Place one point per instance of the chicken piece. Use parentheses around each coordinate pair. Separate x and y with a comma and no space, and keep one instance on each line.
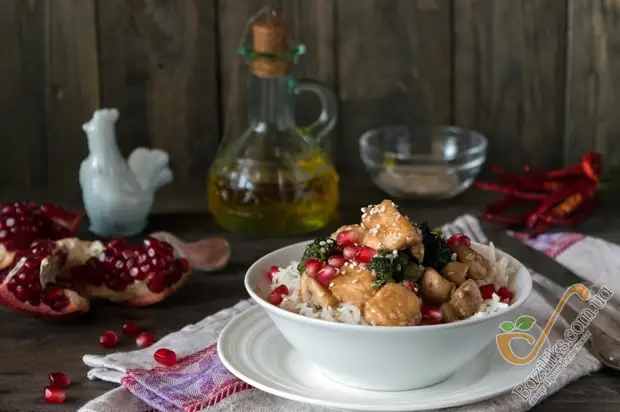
(353,284)
(315,294)
(479,267)
(448,313)
(455,272)
(393,230)
(417,251)
(393,305)
(466,300)
(434,289)
(364,237)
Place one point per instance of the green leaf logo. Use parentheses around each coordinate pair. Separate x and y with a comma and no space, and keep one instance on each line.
(507,326)
(525,323)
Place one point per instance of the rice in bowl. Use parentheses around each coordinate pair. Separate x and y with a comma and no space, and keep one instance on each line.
(290,277)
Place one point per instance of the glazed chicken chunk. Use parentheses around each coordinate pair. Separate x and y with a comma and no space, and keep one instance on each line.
(362,236)
(315,294)
(393,230)
(393,305)
(479,267)
(353,284)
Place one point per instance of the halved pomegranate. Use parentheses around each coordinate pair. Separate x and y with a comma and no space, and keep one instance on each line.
(134,276)
(22,223)
(31,284)
(44,273)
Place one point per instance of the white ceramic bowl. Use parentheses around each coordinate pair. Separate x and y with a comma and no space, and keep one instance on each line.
(382,358)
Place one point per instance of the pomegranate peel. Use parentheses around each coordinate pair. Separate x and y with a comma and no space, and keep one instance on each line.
(208,255)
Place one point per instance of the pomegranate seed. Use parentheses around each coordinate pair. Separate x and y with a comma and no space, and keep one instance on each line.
(60,303)
(347,238)
(487,291)
(184,263)
(505,294)
(156,283)
(411,285)
(425,321)
(350,252)
(312,267)
(365,254)
(108,339)
(277,295)
(272,271)
(130,329)
(59,380)
(165,357)
(325,275)
(459,239)
(53,395)
(433,314)
(145,339)
(336,261)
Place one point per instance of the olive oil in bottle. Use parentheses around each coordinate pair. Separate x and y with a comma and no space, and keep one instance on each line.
(274,179)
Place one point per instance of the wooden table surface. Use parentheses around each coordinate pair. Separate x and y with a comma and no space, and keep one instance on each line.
(30,348)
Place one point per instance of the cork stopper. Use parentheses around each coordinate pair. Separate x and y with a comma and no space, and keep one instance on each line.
(270,36)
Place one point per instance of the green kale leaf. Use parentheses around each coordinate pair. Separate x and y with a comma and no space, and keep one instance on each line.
(437,253)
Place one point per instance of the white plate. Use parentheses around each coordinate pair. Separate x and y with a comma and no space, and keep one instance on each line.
(253,349)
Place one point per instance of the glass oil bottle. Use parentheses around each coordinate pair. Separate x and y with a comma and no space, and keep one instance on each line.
(274,179)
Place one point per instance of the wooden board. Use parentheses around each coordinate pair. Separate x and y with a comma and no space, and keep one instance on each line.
(509,73)
(158,64)
(393,68)
(22,94)
(72,89)
(593,86)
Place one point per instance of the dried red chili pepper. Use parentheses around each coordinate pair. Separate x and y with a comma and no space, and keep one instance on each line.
(496,187)
(576,206)
(563,201)
(590,166)
(519,182)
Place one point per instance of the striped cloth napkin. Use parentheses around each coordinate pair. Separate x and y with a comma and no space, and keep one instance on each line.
(200,381)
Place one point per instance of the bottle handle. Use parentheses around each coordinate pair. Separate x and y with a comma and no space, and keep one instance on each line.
(329,107)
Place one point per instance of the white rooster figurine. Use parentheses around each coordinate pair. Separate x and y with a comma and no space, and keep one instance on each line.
(118,194)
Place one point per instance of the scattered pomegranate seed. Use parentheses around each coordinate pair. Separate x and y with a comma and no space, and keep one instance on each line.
(130,329)
(336,261)
(347,238)
(325,275)
(165,357)
(54,395)
(487,291)
(272,271)
(312,267)
(505,295)
(459,239)
(350,252)
(277,295)
(108,339)
(365,254)
(411,285)
(145,339)
(433,314)
(59,380)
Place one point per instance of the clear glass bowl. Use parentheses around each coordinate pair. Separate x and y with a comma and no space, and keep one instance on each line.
(423,163)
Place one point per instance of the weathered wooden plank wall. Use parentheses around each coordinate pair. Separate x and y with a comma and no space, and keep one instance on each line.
(539,77)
